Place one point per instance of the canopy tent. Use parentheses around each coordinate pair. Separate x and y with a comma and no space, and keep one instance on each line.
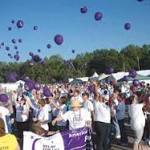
(103,76)
(95,75)
(11,86)
(76,82)
(108,79)
(144,72)
(138,77)
(119,75)
(84,79)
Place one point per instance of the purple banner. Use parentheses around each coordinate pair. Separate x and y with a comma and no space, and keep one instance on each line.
(75,139)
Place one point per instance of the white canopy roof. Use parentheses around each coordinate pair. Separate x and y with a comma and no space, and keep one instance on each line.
(84,79)
(144,72)
(119,75)
(95,75)
(103,76)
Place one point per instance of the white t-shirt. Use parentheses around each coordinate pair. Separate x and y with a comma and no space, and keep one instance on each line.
(22,113)
(3,113)
(88,105)
(48,109)
(77,119)
(102,112)
(43,116)
(137,116)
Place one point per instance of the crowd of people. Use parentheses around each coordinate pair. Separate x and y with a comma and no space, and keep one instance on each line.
(105,108)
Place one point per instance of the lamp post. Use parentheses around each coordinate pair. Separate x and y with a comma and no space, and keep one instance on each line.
(138,62)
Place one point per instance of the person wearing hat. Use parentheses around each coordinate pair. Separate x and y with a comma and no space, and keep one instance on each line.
(7,141)
(78,117)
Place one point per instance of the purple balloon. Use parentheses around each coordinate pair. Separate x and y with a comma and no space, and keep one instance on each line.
(37,86)
(2,44)
(7,48)
(58,39)
(3,98)
(29,85)
(16,57)
(35,28)
(109,70)
(13,21)
(15,47)
(9,28)
(127,26)
(31,54)
(48,46)
(39,50)
(83,10)
(136,82)
(46,92)
(20,40)
(11,77)
(73,51)
(9,54)
(20,24)
(132,73)
(13,41)
(98,16)
(36,58)
(140,0)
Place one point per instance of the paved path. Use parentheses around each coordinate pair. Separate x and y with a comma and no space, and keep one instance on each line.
(130,135)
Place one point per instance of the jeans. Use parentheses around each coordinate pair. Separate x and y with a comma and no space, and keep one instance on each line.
(116,126)
(124,138)
(102,135)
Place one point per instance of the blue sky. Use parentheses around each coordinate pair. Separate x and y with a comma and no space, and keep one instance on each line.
(80,31)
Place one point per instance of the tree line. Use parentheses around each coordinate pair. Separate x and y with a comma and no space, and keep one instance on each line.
(55,68)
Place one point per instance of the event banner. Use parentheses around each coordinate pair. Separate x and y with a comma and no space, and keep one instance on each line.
(67,140)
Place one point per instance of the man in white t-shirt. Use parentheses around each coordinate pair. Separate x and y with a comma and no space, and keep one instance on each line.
(78,117)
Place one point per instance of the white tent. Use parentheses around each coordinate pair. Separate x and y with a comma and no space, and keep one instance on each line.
(84,79)
(11,86)
(144,72)
(70,79)
(119,75)
(103,76)
(95,75)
